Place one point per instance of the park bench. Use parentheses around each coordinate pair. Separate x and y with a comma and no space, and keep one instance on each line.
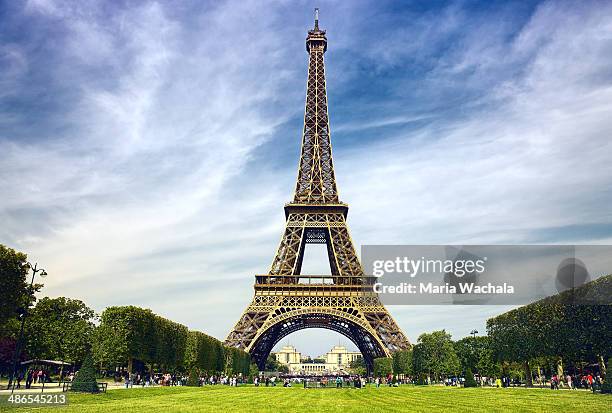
(102,386)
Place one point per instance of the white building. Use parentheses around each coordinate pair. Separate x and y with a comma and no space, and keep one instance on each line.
(337,360)
(340,356)
(288,355)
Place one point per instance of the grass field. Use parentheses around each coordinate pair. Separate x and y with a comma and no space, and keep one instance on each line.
(278,399)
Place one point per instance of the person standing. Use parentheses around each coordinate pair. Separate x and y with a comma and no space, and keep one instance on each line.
(29,378)
(19,378)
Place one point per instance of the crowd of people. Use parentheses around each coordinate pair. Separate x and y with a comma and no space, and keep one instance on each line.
(573,382)
(585,381)
(168,379)
(570,381)
(32,376)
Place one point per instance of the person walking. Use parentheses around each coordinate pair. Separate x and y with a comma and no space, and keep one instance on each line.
(590,381)
(29,378)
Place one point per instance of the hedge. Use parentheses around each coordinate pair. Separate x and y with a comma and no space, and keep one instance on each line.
(572,325)
(131,333)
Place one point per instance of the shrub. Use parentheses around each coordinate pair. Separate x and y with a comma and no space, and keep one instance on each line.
(85,380)
(469,378)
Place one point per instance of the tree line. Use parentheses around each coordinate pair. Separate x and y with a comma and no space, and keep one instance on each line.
(572,329)
(131,334)
(435,356)
(129,337)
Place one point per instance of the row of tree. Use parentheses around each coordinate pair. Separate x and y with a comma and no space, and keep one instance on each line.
(436,356)
(575,326)
(65,329)
(128,334)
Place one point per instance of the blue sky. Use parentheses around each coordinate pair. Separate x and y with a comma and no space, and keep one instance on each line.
(147,148)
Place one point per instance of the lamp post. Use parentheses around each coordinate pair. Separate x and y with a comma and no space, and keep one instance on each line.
(22,314)
(473,333)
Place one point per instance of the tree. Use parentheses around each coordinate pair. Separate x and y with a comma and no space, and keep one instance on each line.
(238,361)
(85,379)
(358,366)
(487,365)
(383,366)
(470,350)
(514,339)
(15,292)
(60,329)
(434,355)
(402,362)
(271,363)
(253,370)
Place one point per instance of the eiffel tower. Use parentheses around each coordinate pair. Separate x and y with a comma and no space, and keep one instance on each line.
(286,301)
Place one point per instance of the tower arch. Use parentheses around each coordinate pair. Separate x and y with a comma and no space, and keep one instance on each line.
(356,330)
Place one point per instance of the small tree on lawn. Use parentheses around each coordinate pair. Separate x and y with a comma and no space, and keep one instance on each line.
(469,378)
(85,380)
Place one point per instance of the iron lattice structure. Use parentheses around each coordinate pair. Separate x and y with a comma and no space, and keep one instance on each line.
(286,301)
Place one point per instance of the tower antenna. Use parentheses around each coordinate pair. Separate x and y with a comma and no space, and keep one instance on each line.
(316,19)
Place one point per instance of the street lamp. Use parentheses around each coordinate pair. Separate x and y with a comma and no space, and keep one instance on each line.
(473,333)
(22,314)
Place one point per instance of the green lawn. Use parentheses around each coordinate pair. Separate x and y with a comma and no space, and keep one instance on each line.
(278,399)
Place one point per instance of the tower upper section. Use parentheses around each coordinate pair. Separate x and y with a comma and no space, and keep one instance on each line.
(316,182)
(316,37)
